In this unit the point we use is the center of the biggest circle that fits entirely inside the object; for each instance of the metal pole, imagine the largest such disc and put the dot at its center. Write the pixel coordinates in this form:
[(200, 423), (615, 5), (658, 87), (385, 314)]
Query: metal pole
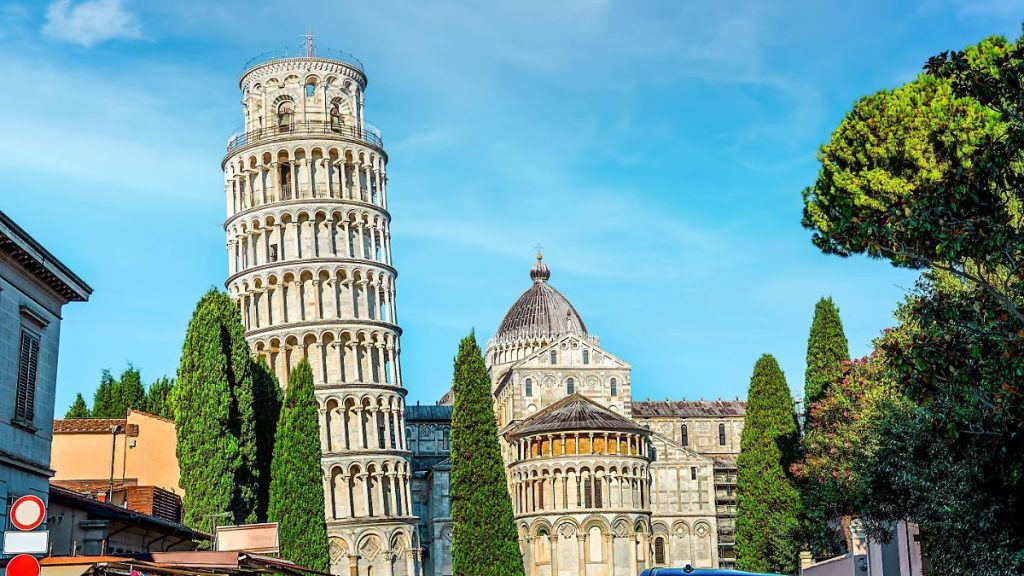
[(113, 453)]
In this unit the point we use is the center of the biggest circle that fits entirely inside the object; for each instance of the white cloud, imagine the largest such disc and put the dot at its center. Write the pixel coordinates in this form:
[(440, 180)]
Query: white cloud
[(89, 22)]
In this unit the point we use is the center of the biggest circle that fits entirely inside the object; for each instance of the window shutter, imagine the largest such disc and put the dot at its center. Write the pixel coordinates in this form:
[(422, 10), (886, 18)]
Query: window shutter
[(28, 361)]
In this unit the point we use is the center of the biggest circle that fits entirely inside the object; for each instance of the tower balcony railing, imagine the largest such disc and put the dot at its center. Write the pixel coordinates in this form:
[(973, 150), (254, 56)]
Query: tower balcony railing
[(370, 135), (289, 54)]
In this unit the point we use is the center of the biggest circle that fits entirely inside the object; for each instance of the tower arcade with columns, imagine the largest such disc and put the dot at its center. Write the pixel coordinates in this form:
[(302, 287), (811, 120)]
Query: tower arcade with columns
[(309, 261)]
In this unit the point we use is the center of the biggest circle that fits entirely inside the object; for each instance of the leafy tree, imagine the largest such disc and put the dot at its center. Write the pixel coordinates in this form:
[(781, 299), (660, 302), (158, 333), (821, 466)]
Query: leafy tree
[(296, 488), (929, 176), (78, 408), (214, 417), (827, 349), (267, 399), (767, 501), (484, 541), (159, 398), (105, 399)]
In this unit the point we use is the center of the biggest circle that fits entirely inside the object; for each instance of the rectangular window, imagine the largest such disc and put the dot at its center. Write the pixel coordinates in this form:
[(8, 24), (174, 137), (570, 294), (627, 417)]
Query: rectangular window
[(28, 364), (693, 472)]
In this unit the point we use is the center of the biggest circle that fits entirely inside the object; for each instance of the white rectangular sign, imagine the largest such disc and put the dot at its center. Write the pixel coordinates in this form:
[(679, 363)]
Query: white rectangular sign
[(37, 542)]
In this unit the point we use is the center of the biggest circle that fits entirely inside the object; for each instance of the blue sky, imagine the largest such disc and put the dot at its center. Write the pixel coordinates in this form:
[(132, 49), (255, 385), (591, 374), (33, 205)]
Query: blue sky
[(656, 150)]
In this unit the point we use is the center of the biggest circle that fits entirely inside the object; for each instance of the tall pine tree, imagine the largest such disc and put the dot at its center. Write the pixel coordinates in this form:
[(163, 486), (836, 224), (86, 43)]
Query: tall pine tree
[(105, 398), (159, 397), (214, 413), (78, 408), (827, 349), (768, 504), (484, 540), (114, 397), (267, 398), (296, 487), (131, 394)]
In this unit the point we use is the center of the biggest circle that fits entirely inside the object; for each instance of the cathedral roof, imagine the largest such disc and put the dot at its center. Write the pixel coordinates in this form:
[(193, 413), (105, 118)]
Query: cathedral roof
[(573, 413), (688, 409), (541, 311)]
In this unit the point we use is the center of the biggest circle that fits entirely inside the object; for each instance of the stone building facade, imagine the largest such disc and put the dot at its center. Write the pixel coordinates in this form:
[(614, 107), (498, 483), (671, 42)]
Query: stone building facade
[(34, 287), (309, 263)]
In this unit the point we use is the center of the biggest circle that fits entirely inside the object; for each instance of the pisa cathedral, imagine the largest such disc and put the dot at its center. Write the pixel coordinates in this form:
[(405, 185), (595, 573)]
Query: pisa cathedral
[(601, 484)]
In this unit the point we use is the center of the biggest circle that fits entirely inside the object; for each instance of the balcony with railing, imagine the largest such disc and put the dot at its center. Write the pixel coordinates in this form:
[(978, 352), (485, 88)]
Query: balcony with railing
[(295, 54), (369, 135)]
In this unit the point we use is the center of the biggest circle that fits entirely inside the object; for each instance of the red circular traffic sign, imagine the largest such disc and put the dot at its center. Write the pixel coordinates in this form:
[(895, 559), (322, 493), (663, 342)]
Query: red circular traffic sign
[(28, 513), (23, 565)]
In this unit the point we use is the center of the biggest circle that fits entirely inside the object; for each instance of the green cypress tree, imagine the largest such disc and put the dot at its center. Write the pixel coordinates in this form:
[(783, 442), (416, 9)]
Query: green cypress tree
[(78, 408), (214, 417), (484, 540), (768, 504), (296, 488), (131, 394), (158, 398), (267, 395), (827, 349), (104, 403)]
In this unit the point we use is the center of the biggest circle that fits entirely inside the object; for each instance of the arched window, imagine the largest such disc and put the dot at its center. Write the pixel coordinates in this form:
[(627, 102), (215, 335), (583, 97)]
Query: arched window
[(586, 356), (659, 550), (721, 434), (529, 387), (285, 114), (615, 387), (686, 435), (310, 89), (554, 357), (570, 386)]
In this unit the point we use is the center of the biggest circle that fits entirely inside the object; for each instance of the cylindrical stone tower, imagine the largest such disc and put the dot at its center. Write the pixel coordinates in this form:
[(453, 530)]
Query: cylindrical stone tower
[(309, 259)]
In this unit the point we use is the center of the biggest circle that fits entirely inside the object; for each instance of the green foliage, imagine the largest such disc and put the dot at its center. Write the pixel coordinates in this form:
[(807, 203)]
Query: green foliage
[(484, 540), (131, 393), (267, 399), (78, 408), (827, 349), (841, 443), (214, 413), (296, 488), (159, 398), (113, 397), (768, 504), (929, 176), (952, 457), (105, 399)]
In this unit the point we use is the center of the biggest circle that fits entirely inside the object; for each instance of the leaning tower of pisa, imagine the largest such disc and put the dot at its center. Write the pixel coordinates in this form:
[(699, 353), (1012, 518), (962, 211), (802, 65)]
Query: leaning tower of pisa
[(309, 261)]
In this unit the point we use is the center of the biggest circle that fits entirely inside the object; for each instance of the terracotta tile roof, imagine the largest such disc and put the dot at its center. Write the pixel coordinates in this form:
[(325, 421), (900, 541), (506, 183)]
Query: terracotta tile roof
[(686, 409), (93, 425), (575, 412)]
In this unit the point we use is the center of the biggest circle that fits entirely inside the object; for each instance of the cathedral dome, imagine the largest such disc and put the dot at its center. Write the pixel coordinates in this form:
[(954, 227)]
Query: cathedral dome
[(541, 311)]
